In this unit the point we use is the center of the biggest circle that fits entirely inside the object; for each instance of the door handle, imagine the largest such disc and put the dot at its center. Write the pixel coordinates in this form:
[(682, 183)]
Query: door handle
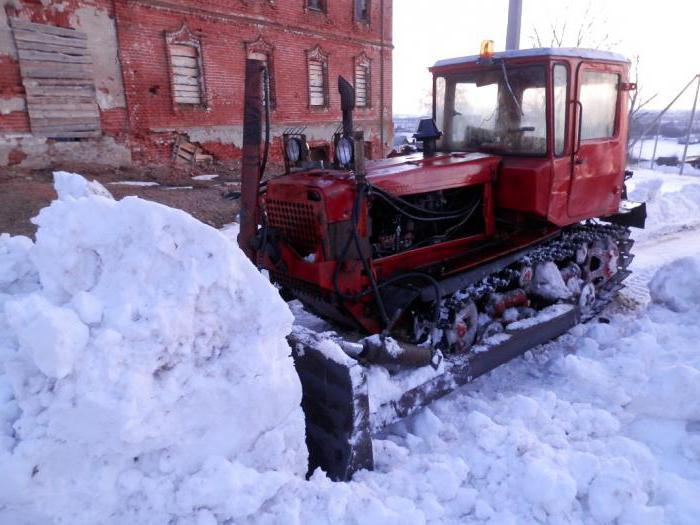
[(579, 161)]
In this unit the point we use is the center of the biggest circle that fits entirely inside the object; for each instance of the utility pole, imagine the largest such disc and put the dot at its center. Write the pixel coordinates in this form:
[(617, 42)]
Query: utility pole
[(690, 125), (515, 14)]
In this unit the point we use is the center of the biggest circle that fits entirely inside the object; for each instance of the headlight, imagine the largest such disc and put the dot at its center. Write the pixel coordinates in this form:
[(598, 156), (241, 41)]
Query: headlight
[(343, 151), (293, 150)]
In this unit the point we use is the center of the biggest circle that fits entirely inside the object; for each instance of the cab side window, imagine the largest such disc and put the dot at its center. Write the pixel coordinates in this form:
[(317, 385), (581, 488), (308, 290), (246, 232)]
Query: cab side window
[(599, 99), (561, 88)]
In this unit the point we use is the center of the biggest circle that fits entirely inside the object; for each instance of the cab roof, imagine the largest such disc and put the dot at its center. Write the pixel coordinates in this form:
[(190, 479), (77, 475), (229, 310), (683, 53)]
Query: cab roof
[(571, 52)]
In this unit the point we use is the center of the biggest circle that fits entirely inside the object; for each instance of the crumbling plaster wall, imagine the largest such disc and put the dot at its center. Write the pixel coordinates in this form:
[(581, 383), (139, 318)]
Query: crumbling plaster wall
[(7, 43), (101, 32)]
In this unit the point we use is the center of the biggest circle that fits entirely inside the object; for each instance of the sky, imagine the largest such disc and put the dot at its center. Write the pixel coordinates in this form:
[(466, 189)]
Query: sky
[(663, 34)]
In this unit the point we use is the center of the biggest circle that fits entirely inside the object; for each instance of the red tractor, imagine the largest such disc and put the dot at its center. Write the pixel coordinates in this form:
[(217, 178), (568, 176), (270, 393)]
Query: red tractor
[(507, 228)]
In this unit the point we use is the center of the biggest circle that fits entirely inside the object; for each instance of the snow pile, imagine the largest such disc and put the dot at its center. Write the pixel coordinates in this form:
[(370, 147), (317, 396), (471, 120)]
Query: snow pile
[(677, 285), (673, 202), (144, 370)]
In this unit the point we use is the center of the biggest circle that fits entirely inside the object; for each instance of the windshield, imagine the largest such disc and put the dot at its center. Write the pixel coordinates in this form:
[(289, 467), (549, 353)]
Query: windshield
[(496, 109)]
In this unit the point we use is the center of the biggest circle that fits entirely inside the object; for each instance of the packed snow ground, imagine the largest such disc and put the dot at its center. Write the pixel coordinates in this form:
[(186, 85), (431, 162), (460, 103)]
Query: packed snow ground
[(600, 426)]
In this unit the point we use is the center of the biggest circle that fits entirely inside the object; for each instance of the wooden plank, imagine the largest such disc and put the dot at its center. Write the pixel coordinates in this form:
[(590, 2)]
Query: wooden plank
[(178, 50), (184, 62), (45, 28), (57, 113), (183, 80), (72, 71), (43, 102), (65, 119), (60, 125), (46, 122), (70, 134), (186, 89), (32, 36), (186, 71), (63, 126), (59, 48), (53, 65), (62, 98), (184, 156), (188, 146), (57, 83), (54, 57), (57, 91), (187, 100), (65, 106)]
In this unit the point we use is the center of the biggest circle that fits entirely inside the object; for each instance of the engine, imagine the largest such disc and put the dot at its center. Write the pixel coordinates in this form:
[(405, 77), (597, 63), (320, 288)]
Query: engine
[(415, 221)]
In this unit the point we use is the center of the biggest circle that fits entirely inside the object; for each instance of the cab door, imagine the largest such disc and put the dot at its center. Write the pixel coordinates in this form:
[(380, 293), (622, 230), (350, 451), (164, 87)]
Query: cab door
[(598, 153)]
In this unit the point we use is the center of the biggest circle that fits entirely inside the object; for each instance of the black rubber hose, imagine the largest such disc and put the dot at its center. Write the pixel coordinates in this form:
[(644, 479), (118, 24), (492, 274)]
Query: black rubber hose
[(266, 150), (396, 207), (408, 204), (412, 275)]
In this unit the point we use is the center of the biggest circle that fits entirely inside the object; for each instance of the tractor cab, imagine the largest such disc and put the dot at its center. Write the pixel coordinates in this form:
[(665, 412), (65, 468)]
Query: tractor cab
[(557, 117)]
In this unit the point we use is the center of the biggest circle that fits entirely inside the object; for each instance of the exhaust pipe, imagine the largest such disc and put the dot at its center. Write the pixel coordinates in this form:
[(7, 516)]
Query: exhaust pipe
[(251, 164)]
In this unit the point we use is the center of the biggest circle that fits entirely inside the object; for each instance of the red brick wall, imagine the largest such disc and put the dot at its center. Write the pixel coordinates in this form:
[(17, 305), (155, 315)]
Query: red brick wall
[(223, 28), (149, 122)]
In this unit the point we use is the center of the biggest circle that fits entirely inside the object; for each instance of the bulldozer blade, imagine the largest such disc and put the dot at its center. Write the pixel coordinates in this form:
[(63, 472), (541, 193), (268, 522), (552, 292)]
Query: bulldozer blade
[(336, 405), (336, 391)]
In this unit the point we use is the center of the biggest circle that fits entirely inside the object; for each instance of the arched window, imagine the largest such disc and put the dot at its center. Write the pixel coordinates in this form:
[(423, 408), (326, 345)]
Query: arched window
[(186, 67), (317, 67), (316, 5), (263, 51), (363, 81)]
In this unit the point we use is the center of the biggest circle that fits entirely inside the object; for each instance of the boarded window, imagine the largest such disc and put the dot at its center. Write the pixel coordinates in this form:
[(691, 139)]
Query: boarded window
[(186, 74), (58, 79), (362, 82), (317, 88), (186, 68), (362, 10), (317, 64), (263, 51)]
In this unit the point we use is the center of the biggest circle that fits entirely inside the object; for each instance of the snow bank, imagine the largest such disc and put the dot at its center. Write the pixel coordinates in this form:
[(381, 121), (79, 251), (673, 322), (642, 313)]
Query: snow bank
[(677, 285), (673, 202), (144, 371)]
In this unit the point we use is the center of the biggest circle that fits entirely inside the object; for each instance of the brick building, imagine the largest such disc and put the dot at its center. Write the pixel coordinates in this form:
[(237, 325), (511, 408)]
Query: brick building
[(118, 82)]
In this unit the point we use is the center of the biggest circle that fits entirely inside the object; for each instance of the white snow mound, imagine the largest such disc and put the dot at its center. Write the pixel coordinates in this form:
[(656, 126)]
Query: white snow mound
[(143, 369), (677, 285)]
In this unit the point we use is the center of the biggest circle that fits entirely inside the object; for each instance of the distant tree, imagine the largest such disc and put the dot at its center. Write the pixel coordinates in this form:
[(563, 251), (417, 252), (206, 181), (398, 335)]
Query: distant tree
[(637, 102), (591, 30)]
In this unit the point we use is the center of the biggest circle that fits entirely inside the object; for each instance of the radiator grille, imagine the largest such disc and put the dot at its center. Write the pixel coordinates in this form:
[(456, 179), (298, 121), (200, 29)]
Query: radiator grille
[(298, 222)]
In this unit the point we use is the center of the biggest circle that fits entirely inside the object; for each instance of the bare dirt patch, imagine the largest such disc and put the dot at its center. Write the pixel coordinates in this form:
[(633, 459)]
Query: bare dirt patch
[(24, 192)]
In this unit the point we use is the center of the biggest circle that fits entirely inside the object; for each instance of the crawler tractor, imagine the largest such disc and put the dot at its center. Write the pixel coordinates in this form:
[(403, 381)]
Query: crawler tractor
[(508, 227)]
